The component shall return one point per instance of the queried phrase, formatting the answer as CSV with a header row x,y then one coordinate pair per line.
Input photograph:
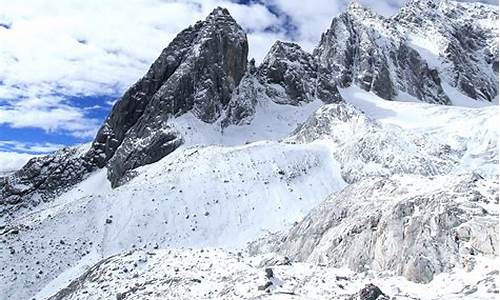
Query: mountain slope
x,y
208,149
414,226
392,57
216,274
244,192
179,201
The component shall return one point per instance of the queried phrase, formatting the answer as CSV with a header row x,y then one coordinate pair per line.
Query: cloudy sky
x,y
63,63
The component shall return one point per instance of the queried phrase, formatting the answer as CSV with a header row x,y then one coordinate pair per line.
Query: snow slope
x,y
210,196
209,273
225,194
472,131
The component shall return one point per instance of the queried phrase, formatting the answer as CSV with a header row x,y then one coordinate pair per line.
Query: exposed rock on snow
x,y
370,292
368,148
38,180
196,73
410,225
216,274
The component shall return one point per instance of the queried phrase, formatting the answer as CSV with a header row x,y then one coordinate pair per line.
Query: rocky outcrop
x,y
413,226
295,72
367,148
288,75
38,180
464,37
242,106
370,292
366,49
196,73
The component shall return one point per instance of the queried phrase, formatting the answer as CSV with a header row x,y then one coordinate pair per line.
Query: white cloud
x,y
93,47
8,146
82,48
11,161
49,113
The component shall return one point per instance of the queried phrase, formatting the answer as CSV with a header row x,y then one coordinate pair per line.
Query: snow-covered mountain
x,y
311,175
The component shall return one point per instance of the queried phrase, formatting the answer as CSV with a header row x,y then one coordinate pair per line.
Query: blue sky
x,y
64,63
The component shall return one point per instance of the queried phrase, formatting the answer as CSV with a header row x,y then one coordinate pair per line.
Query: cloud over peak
x,y
64,62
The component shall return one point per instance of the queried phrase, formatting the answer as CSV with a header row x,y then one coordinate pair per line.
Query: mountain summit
x,y
204,71
196,73
354,164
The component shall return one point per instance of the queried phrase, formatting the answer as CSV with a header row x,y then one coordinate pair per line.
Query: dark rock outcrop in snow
x,y
197,72
366,49
40,177
370,292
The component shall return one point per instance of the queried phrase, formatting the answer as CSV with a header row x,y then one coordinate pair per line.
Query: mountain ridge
x,y
210,150
331,66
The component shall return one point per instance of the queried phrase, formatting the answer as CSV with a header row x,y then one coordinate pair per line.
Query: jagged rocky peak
x,y
368,50
298,74
197,72
293,69
464,37
288,75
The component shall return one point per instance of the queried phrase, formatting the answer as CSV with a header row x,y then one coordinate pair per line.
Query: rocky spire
x,y
368,50
197,72
287,65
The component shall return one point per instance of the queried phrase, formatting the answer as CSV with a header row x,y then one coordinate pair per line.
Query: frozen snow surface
x,y
208,273
291,187
228,195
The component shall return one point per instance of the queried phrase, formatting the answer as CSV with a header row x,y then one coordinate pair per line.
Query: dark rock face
x,y
468,35
419,80
371,292
293,69
197,72
297,72
41,177
365,49
241,107
288,75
